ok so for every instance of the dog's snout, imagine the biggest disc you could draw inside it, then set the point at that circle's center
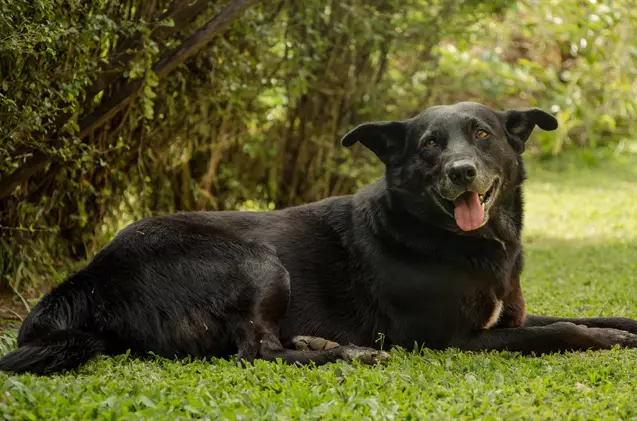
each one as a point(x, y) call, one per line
point(462, 172)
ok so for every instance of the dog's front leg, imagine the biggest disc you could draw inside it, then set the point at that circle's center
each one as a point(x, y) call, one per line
point(514, 309)
point(555, 337)
point(621, 323)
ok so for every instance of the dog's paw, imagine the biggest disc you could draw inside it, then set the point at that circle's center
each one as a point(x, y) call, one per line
point(584, 337)
point(312, 343)
point(611, 337)
point(365, 355)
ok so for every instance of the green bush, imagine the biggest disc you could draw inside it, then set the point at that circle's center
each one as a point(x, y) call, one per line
point(577, 59)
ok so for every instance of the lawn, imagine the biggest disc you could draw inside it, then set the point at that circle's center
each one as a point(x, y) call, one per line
point(581, 242)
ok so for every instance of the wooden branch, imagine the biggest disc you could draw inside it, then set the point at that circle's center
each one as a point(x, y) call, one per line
point(35, 164)
point(165, 66)
point(182, 12)
point(121, 98)
point(202, 37)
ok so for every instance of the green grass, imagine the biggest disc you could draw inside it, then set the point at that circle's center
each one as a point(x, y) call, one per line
point(581, 237)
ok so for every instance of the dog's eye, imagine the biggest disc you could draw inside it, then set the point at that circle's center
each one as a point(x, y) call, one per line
point(481, 134)
point(430, 143)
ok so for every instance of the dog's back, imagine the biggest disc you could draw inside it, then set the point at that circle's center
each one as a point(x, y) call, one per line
point(164, 285)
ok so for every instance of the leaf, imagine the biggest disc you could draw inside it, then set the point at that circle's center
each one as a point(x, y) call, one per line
point(147, 401)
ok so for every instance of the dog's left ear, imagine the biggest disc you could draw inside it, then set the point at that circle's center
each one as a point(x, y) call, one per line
point(519, 125)
point(385, 138)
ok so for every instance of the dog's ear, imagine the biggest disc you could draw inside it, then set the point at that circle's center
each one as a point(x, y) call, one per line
point(385, 138)
point(519, 125)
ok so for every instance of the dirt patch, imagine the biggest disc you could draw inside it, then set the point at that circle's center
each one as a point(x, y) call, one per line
point(13, 309)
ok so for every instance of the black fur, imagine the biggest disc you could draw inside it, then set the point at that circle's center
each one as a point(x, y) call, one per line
point(388, 260)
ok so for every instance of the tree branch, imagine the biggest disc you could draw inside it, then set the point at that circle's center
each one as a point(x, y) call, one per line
point(36, 163)
point(183, 13)
point(121, 98)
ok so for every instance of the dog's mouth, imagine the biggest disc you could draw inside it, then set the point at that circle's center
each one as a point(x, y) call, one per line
point(470, 209)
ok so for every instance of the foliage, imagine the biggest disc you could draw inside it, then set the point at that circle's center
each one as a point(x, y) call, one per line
point(575, 58)
point(253, 120)
point(572, 249)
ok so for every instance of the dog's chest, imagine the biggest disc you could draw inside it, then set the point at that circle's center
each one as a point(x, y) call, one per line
point(408, 286)
point(495, 314)
point(438, 296)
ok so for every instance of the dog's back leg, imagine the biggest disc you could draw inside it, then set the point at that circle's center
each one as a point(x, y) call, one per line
point(311, 343)
point(270, 307)
point(271, 349)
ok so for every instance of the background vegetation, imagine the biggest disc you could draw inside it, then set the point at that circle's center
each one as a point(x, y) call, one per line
point(117, 109)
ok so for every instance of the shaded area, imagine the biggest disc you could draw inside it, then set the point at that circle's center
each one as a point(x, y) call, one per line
point(580, 278)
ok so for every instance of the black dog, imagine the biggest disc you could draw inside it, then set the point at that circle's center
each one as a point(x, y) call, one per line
point(430, 254)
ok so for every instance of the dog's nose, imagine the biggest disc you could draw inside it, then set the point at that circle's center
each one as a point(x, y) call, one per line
point(462, 172)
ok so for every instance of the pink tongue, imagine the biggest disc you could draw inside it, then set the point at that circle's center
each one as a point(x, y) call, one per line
point(469, 213)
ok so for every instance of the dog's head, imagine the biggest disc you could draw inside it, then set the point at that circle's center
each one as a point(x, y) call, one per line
point(453, 164)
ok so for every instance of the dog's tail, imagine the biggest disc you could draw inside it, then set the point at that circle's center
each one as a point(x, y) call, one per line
point(58, 350)
point(52, 337)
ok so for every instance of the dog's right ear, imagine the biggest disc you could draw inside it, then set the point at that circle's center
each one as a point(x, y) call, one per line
point(384, 138)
